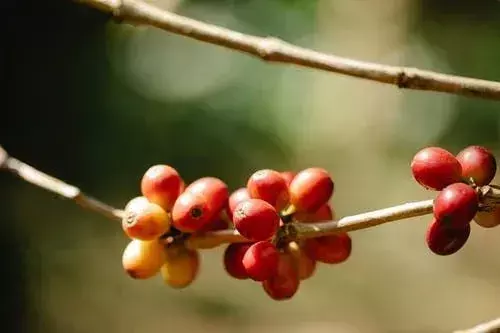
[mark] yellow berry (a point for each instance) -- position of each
(143, 259)
(145, 220)
(180, 268)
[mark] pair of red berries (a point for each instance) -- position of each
(458, 179)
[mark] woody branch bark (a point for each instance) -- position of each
(274, 50)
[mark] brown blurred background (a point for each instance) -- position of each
(96, 103)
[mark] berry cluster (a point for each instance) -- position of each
(263, 212)
(459, 180)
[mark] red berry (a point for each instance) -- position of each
(161, 184)
(261, 261)
(435, 168)
(456, 205)
(285, 283)
(488, 219)
(256, 220)
(233, 260)
(324, 213)
(216, 223)
(235, 198)
(477, 163)
(289, 176)
(310, 189)
(333, 249)
(444, 240)
(144, 220)
(270, 186)
(213, 189)
(191, 212)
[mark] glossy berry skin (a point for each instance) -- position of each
(488, 219)
(180, 268)
(285, 283)
(270, 186)
(256, 220)
(215, 224)
(435, 168)
(324, 213)
(213, 189)
(310, 189)
(456, 205)
(191, 212)
(144, 220)
(235, 198)
(161, 184)
(304, 265)
(288, 176)
(477, 163)
(233, 260)
(443, 240)
(143, 259)
(261, 261)
(332, 249)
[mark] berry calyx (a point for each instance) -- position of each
(285, 283)
(161, 184)
(270, 186)
(261, 261)
(191, 212)
(435, 168)
(144, 220)
(310, 189)
(233, 260)
(180, 268)
(333, 249)
(478, 164)
(456, 205)
(143, 259)
(444, 240)
(256, 219)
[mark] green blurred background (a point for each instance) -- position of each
(96, 103)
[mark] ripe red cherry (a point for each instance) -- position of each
(256, 220)
(435, 168)
(456, 205)
(285, 283)
(261, 261)
(444, 240)
(324, 213)
(488, 219)
(310, 189)
(213, 189)
(235, 198)
(233, 260)
(191, 212)
(289, 176)
(161, 184)
(332, 249)
(270, 186)
(477, 163)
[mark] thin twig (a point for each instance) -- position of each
(274, 50)
(492, 326)
(57, 186)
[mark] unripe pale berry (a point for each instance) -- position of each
(304, 265)
(161, 184)
(477, 163)
(270, 186)
(456, 205)
(310, 189)
(435, 168)
(143, 259)
(488, 219)
(261, 261)
(333, 249)
(285, 283)
(144, 220)
(180, 268)
(233, 260)
(444, 240)
(256, 219)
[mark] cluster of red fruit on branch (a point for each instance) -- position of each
(168, 213)
(459, 180)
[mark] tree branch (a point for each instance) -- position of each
(274, 50)
(488, 327)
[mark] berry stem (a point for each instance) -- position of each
(277, 51)
(487, 327)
